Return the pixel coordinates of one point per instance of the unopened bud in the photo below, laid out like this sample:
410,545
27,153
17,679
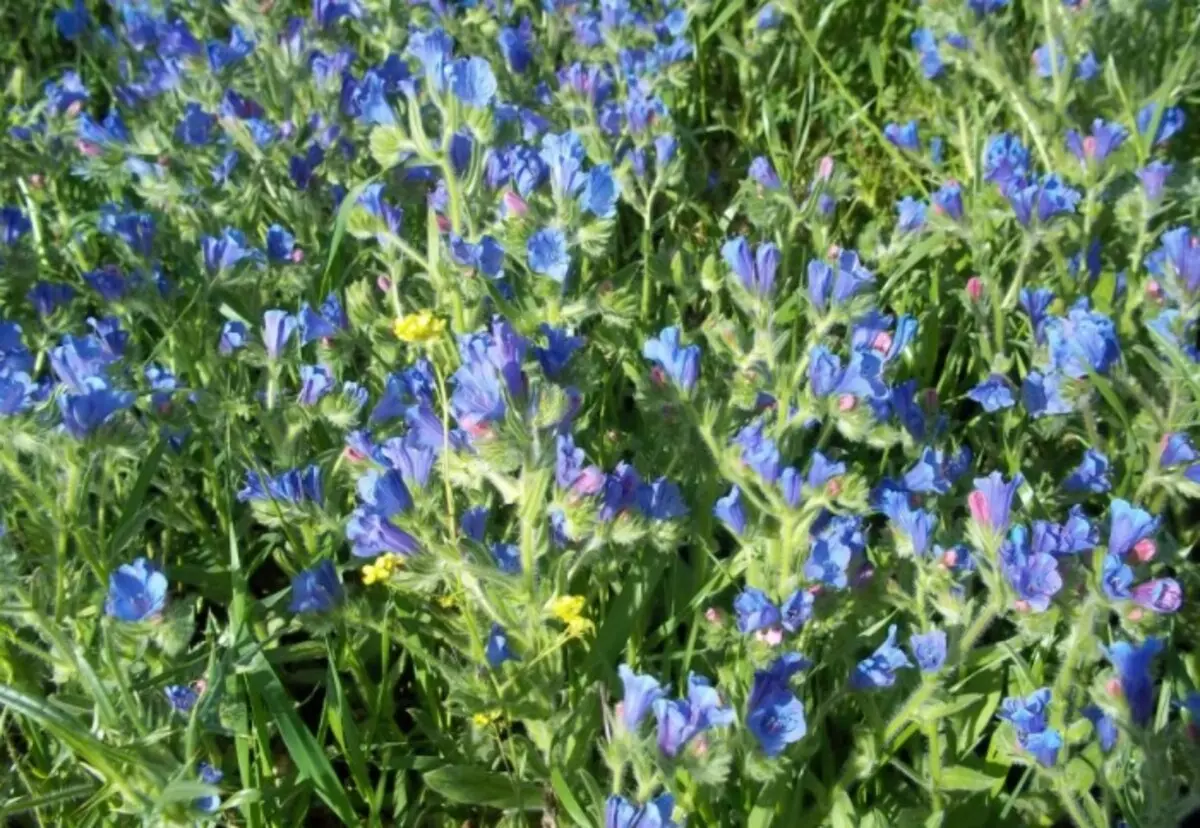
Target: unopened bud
1145,550
297,255
1154,289
825,168
846,402
975,288
1021,605
515,204
713,615
834,487
882,342
383,283
772,636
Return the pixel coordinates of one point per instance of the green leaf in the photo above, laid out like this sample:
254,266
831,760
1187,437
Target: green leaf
469,785
388,144
962,778
566,798
132,515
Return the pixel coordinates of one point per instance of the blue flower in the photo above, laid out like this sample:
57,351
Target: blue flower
222,55
474,523
911,215
107,281
1128,526
385,492
993,394
61,95
1036,303
1104,725
72,22
1177,450
821,470
681,720
1178,260
471,81
91,406
195,129
929,650
18,393
328,12
1043,394
1027,715
1088,67
983,7
1154,179
208,776
1083,341
13,224
991,501
769,17
371,534
924,41
323,323
224,252
774,715
301,169
1049,59
1043,745
947,200
755,611
560,346
600,192
1091,475
904,136
516,45
1106,137
680,363
759,452
278,327
1116,578
136,592
1171,122
294,487
315,382
1070,538
1133,663
1005,159
498,650
181,697
764,174
316,590
507,558
661,500
620,813
879,670
833,547
548,253
641,692
280,244
756,274
1034,577
233,337
1044,199
729,510
47,297
828,287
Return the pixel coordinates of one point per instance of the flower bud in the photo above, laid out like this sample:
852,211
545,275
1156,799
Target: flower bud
975,288
825,168
846,402
1145,550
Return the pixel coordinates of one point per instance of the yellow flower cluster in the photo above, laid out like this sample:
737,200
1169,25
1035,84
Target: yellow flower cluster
381,569
569,610
485,719
419,327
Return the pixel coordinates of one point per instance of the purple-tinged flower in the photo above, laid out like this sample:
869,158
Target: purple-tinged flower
327,12
315,382
66,93
371,534
621,813
600,192
316,590
224,252
516,45
929,650
1128,526
730,511
233,337
1043,394
796,610
994,394
136,592
181,697
498,650
1034,577
1088,67
1177,260
641,693
548,253
903,136
1027,715
1091,475
278,327
1161,595
833,547
879,670
947,201
991,501
1049,59
560,346
764,174
1043,745
1005,160
1177,450
1169,124
1104,725
72,22
323,323
910,215
681,720
1043,199
774,715
678,362
196,126
281,245
1106,137
91,406
755,611
1154,179
1133,663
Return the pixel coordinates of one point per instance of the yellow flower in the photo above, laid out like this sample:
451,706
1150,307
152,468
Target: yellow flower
485,719
569,610
419,327
381,569
446,601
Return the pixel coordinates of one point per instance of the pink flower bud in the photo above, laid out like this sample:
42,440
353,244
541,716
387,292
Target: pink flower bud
658,375
1137,614
1154,289
297,255
977,503
514,204
713,615
834,487
772,636
89,149
1113,687
200,685
1021,606
950,557
443,224
1144,550
975,288
619,711
846,402
37,181
882,342
825,168
383,283
326,342
700,746
353,455
834,251
74,109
